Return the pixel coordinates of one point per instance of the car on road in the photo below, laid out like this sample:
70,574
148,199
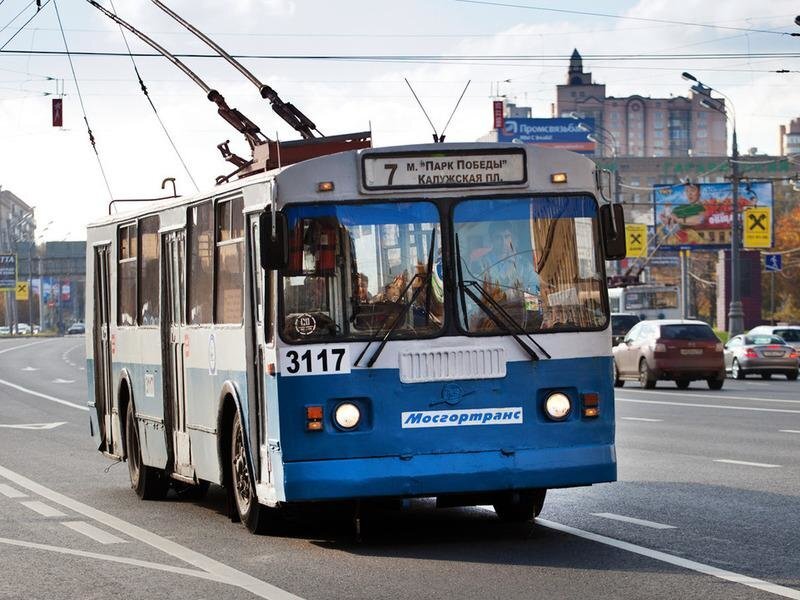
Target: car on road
671,349
76,328
790,333
760,354
621,324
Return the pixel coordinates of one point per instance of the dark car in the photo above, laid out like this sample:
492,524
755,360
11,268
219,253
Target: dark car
76,328
621,324
679,350
758,354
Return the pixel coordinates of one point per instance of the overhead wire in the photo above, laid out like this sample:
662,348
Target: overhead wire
39,7
17,16
152,105
80,99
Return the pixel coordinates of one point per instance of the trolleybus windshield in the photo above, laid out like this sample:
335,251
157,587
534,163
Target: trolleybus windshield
352,270
537,258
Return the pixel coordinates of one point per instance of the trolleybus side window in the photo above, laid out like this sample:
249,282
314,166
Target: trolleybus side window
149,278
229,262
534,258
126,275
356,270
200,275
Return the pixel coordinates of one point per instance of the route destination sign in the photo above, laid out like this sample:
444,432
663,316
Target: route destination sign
443,169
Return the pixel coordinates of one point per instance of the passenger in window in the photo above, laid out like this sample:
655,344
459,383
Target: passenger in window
362,288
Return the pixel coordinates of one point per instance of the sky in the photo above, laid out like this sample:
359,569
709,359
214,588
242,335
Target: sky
55,170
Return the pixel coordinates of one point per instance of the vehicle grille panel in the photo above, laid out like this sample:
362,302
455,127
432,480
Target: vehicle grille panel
446,364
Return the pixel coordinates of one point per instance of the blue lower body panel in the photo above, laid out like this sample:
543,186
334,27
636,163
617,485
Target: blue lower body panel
435,474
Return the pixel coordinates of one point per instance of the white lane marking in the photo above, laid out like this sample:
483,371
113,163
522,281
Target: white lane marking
59,380
221,571
30,369
34,425
97,534
685,563
43,509
624,519
41,395
746,463
4,350
10,492
755,408
789,430
715,396
117,559
641,419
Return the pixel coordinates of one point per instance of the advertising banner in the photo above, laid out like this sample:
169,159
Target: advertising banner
700,215
757,230
554,133
497,109
635,240
8,272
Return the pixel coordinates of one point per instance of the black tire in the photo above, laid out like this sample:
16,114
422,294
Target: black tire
682,384
766,376
617,381
252,514
716,383
736,371
520,507
792,376
149,483
646,377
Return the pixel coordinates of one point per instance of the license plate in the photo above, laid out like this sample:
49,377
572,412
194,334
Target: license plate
773,353
691,351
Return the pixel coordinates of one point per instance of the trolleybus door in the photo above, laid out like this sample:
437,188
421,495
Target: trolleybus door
175,271
103,390
257,316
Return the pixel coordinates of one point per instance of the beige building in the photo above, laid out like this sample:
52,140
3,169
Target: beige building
790,138
642,126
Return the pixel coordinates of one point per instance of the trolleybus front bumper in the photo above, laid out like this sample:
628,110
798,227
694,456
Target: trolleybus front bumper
434,474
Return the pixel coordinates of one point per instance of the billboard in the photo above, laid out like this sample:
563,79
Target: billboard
8,272
700,215
555,133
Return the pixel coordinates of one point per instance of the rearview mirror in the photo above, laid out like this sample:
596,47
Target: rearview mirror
274,248
612,229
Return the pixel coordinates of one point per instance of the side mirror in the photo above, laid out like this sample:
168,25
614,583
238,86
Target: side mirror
612,229
274,250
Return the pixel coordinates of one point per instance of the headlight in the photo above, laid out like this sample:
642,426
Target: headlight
557,406
347,415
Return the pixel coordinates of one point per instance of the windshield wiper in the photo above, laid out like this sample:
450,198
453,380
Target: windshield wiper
404,311
510,325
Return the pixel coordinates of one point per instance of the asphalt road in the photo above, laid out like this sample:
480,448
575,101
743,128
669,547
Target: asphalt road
706,505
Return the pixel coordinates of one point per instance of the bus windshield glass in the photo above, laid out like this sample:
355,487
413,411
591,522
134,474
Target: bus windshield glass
534,259
354,268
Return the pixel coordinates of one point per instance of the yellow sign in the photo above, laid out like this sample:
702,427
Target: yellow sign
22,290
636,240
757,224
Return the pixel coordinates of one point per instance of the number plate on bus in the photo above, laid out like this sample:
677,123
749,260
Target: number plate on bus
314,360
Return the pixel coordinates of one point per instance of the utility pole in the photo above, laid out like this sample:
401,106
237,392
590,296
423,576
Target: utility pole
735,312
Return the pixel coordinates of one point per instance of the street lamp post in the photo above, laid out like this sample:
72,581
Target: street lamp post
735,312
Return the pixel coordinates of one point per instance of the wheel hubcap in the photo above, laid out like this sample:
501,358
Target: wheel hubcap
241,476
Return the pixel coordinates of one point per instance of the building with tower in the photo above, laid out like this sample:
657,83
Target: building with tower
642,126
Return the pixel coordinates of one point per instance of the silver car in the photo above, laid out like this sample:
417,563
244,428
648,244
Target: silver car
765,355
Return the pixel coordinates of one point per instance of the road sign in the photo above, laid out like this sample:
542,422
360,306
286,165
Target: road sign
636,240
22,290
758,227
773,262
8,272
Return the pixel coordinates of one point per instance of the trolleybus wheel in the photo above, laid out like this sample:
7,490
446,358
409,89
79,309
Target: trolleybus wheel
251,513
646,377
617,381
520,507
149,483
